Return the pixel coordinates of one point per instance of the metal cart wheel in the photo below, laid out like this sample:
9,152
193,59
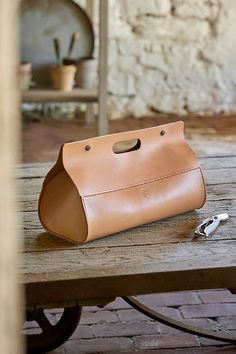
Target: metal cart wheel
49,336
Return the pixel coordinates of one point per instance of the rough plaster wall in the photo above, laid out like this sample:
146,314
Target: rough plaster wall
174,56
171,56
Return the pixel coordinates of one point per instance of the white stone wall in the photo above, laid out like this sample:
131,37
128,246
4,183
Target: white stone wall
172,56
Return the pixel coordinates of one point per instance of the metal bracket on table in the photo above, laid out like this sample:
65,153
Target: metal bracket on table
154,315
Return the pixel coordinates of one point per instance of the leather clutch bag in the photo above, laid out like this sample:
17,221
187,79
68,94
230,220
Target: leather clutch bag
111,183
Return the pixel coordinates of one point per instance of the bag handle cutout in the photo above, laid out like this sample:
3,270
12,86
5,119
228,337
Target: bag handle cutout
125,146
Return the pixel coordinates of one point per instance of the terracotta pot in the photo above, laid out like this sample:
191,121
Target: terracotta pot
25,75
63,77
86,73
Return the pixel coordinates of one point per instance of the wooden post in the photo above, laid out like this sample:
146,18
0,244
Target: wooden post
103,31
10,299
89,115
90,8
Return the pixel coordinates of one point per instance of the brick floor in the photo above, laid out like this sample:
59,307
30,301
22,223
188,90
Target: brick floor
173,340
209,297
132,315
212,350
98,317
208,310
125,330
117,328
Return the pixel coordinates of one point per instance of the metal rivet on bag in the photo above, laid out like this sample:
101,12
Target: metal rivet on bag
162,132
87,147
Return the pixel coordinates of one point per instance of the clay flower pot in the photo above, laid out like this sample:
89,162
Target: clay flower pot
63,77
24,75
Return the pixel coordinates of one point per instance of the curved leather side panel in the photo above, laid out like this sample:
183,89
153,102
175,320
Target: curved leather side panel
60,209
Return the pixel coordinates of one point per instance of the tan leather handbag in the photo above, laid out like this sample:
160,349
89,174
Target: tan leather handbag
96,188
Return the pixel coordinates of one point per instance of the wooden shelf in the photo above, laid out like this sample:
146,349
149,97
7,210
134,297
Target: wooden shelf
89,96
51,95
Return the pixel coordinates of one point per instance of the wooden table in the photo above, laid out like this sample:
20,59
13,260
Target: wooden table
159,257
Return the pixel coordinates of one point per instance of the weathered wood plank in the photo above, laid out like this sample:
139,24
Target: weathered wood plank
93,273
219,176
175,229
213,144
38,240
33,170
92,291
222,162
109,261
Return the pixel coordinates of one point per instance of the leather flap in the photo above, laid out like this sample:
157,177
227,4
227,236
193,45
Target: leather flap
97,169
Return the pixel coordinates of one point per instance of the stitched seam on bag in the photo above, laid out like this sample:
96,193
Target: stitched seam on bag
142,183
